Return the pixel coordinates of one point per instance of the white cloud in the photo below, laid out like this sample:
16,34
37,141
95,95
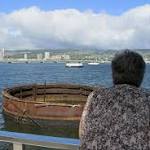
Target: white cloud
35,28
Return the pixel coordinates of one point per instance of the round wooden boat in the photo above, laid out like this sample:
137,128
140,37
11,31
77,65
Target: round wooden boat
50,102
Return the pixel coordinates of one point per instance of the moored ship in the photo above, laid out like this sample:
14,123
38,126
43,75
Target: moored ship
78,65
93,63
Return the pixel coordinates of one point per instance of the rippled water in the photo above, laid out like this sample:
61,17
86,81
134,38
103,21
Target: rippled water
15,74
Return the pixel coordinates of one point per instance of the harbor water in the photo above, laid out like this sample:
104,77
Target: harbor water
22,73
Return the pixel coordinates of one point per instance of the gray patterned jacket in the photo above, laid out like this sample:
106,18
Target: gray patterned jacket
116,118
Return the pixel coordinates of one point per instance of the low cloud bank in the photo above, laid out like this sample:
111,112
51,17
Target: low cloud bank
70,28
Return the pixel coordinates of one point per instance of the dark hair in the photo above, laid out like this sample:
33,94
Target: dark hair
128,67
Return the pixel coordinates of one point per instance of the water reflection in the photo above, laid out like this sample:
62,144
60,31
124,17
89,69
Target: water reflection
57,130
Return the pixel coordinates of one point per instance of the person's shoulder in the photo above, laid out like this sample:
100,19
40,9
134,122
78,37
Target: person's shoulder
146,91
143,92
147,94
120,88
100,94
101,90
98,90
131,89
132,93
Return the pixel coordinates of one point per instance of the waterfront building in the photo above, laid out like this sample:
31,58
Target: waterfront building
55,57
39,56
60,57
2,54
66,57
25,56
46,55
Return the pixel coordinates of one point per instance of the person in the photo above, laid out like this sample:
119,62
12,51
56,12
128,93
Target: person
118,117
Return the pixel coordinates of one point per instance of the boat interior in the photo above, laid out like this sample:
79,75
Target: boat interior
52,93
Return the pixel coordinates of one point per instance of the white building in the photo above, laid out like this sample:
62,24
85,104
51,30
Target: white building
2,54
25,56
39,56
59,57
46,55
65,57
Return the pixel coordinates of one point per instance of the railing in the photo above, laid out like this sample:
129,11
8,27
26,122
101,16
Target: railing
18,139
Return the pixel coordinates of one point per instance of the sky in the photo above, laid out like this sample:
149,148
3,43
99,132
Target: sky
100,24
110,6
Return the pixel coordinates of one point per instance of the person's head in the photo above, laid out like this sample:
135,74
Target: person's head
128,67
